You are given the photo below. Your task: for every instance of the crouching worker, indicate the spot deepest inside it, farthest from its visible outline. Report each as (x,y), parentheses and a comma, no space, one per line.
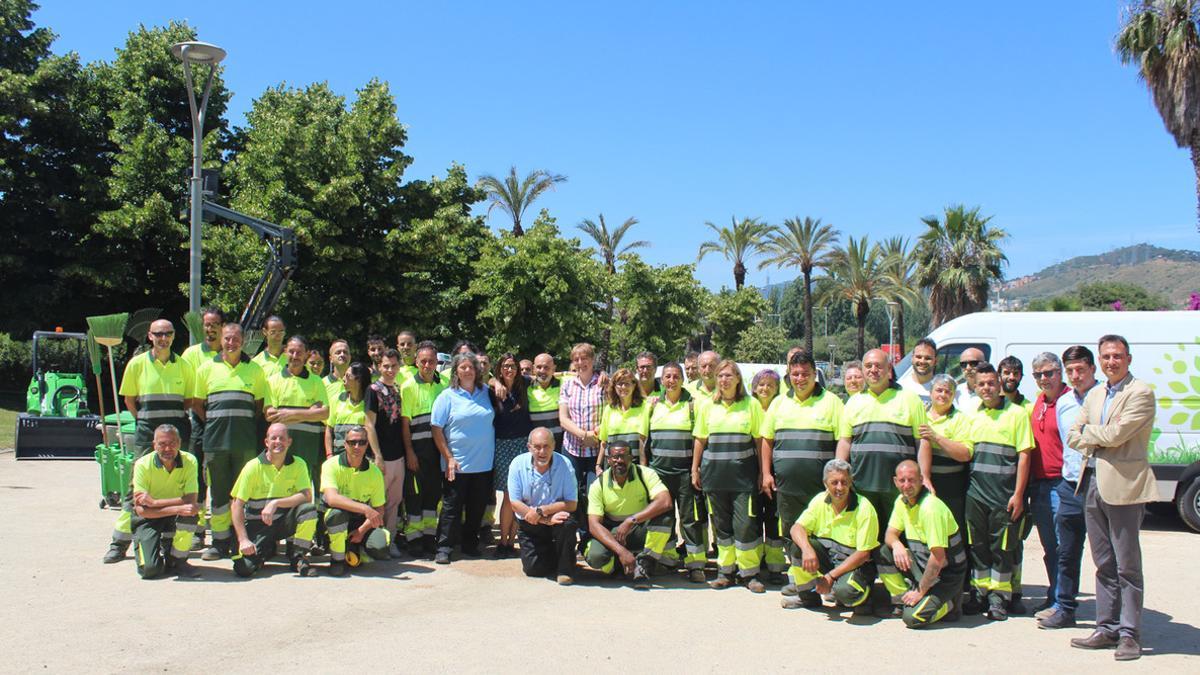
(165,484)
(272,500)
(836,535)
(925,577)
(353,495)
(629,518)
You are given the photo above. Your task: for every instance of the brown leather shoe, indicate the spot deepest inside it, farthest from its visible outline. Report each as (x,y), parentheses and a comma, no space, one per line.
(1097,640)
(1128,649)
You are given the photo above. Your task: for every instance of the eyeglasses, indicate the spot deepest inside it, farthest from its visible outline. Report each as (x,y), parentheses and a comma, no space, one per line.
(162,333)
(357,442)
(969,364)
(1039,374)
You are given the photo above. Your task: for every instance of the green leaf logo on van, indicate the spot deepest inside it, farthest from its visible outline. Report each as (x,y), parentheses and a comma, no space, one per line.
(1180,407)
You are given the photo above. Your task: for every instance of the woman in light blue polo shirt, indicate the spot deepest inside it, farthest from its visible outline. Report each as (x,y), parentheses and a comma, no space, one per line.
(462,431)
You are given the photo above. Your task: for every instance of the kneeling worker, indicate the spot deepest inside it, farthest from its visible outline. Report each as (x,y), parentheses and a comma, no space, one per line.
(165,519)
(272,500)
(629,509)
(542,489)
(925,577)
(836,535)
(353,493)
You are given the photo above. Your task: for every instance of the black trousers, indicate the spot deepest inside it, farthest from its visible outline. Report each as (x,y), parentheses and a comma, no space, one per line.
(547,549)
(468,493)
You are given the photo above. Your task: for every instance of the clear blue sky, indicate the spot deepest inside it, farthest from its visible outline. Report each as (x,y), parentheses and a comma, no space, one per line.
(867,115)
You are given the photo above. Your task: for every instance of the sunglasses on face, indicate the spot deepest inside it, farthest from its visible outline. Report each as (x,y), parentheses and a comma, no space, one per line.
(1039,374)
(162,333)
(356,442)
(969,364)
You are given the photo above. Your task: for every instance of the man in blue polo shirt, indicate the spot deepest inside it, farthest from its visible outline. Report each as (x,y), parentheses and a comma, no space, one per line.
(543,493)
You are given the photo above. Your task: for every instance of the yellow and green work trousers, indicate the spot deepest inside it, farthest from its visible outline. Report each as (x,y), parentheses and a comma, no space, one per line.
(994,549)
(788,507)
(223,468)
(773,548)
(940,599)
(422,494)
(339,524)
(298,525)
(123,530)
(735,522)
(692,515)
(159,543)
(849,590)
(647,541)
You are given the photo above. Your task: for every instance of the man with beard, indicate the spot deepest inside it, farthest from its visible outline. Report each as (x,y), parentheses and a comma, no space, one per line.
(629,517)
(543,494)
(543,393)
(647,365)
(919,378)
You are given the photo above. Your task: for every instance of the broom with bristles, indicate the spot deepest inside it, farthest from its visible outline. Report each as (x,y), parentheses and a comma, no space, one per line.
(109,330)
(195,327)
(97,361)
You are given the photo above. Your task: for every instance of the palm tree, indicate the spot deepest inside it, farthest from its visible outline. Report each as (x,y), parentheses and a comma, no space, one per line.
(958,258)
(744,239)
(1161,38)
(855,277)
(610,248)
(807,244)
(514,196)
(899,266)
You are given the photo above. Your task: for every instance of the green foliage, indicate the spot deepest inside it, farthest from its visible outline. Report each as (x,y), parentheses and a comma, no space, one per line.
(1058,303)
(806,245)
(514,195)
(736,243)
(958,257)
(658,308)
(539,292)
(14,361)
(761,343)
(730,314)
(856,278)
(1101,296)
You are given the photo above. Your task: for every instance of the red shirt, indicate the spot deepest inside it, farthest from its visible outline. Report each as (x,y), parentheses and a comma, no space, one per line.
(1048,450)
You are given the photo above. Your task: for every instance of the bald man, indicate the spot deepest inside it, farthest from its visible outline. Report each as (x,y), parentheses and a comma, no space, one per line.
(965,398)
(705,386)
(543,492)
(544,397)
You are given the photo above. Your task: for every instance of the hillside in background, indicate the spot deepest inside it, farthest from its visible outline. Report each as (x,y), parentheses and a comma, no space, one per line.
(1172,273)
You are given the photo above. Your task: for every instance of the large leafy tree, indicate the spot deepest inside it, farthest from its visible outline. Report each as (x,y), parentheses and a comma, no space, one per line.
(761,343)
(958,257)
(659,308)
(539,292)
(513,195)
(805,244)
(730,314)
(855,277)
(737,243)
(142,238)
(610,246)
(899,267)
(53,162)
(1162,39)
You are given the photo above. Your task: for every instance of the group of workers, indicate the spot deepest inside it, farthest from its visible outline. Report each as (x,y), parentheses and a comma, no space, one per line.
(919,483)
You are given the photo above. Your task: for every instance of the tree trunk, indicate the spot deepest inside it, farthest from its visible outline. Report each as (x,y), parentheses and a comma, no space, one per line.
(518,231)
(739,276)
(608,333)
(860,314)
(1196,167)
(808,311)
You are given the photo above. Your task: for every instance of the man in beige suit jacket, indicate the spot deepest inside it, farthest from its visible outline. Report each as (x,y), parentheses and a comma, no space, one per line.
(1113,433)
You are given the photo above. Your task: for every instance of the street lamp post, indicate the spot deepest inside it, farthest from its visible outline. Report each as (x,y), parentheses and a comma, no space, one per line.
(892,305)
(196,53)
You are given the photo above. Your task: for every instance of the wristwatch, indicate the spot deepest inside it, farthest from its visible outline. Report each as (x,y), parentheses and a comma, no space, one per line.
(633,519)
(541,514)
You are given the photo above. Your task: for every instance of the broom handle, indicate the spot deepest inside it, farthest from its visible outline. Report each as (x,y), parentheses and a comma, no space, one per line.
(116,400)
(100,396)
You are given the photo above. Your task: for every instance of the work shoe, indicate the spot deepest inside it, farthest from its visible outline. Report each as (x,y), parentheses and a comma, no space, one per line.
(1046,604)
(1097,640)
(791,602)
(789,589)
(337,568)
(863,609)
(722,581)
(212,553)
(955,613)
(810,600)
(429,546)
(755,585)
(394,550)
(973,605)
(442,558)
(470,552)
(890,611)
(564,580)
(184,570)
(641,580)
(198,542)
(778,579)
(1058,619)
(1016,606)
(997,610)
(1045,612)
(302,567)
(697,576)
(115,554)
(1128,649)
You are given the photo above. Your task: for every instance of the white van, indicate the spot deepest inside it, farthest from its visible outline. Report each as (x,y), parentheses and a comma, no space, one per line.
(1166,354)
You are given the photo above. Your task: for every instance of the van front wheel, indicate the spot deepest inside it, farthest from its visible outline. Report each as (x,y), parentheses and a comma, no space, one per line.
(1187,502)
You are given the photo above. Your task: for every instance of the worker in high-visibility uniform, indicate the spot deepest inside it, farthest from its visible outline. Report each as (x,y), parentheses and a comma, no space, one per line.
(352,495)
(647,367)
(229,395)
(543,392)
(1011,371)
(670,445)
(880,428)
(272,358)
(799,435)
(950,433)
(423,483)
(764,386)
(157,388)
(835,535)
(629,517)
(339,362)
(406,344)
(996,495)
(196,356)
(164,502)
(297,398)
(272,500)
(725,466)
(623,419)
(923,561)
(349,410)
(704,386)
